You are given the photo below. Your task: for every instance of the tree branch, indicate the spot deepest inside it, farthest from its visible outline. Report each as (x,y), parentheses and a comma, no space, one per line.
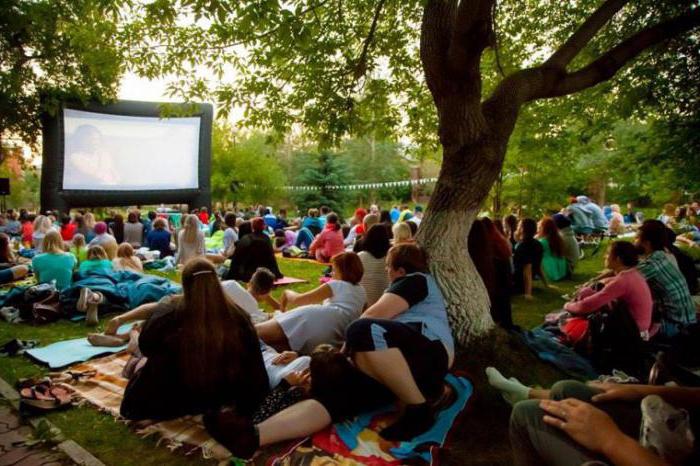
(471,35)
(361,67)
(612,61)
(583,35)
(436,30)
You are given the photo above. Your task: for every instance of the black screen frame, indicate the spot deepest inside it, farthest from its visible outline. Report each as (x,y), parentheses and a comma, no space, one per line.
(54,197)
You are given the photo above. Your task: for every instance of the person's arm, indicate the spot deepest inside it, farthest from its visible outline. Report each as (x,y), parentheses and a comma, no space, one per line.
(316,243)
(351,236)
(613,290)
(293,299)
(594,430)
(388,306)
(680,397)
(143,312)
(270,301)
(201,248)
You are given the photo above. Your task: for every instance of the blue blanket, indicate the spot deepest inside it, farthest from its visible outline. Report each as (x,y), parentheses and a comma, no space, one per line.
(548,349)
(349,431)
(122,289)
(66,353)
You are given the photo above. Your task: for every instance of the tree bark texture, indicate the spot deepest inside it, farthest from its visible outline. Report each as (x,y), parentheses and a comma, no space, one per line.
(474,134)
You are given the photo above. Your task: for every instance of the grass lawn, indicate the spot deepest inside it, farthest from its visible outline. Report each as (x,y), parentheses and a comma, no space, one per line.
(480,439)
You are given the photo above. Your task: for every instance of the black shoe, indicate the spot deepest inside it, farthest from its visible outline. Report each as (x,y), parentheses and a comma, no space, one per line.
(415,420)
(237,433)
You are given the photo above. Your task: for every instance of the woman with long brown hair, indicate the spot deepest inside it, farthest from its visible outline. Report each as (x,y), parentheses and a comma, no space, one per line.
(202,353)
(554,263)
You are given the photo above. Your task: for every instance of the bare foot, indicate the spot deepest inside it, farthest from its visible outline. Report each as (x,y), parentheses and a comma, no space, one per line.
(99,339)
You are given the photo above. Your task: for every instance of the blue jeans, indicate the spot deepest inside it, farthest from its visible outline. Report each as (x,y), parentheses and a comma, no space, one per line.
(304,238)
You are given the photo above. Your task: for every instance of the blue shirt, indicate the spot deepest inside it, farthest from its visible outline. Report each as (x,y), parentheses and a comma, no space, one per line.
(159,240)
(59,267)
(394,214)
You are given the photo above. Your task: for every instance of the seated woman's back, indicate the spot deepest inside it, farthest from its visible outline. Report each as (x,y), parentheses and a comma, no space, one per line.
(159,237)
(202,353)
(374,280)
(252,251)
(97,261)
(54,263)
(133,230)
(190,240)
(554,264)
(126,260)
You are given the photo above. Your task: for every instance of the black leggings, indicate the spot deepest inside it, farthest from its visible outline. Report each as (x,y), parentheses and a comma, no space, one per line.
(427,359)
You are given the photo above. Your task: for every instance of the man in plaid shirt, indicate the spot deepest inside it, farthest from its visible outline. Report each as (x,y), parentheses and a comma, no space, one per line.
(672,301)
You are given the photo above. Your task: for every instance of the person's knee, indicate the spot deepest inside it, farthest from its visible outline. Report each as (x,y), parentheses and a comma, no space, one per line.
(571,389)
(525,414)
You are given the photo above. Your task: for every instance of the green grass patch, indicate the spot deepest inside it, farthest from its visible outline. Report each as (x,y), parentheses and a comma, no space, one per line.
(481,439)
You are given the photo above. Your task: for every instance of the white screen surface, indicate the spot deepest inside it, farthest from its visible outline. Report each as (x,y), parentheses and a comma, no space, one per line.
(117,152)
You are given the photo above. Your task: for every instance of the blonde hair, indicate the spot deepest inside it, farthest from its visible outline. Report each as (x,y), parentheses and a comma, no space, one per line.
(89,220)
(670,210)
(402,232)
(42,224)
(190,228)
(78,241)
(96,252)
(53,243)
(615,208)
(125,253)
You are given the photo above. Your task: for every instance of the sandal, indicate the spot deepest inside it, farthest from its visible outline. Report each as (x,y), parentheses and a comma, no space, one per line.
(45,397)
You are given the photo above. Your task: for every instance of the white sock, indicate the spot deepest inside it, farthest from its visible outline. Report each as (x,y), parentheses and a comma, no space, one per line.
(511,389)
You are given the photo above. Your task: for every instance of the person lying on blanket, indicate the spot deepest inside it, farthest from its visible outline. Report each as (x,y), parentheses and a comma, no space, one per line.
(403,348)
(258,291)
(577,423)
(201,353)
(323,314)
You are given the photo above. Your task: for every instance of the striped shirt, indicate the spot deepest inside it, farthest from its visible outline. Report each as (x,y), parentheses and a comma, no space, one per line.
(668,287)
(374,279)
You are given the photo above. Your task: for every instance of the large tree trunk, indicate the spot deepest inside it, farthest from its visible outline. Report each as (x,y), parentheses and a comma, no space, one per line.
(465,180)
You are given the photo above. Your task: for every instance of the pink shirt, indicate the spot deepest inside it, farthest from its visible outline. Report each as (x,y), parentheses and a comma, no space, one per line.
(328,243)
(628,286)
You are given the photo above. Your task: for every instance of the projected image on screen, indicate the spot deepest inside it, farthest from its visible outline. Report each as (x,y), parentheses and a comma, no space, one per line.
(117,152)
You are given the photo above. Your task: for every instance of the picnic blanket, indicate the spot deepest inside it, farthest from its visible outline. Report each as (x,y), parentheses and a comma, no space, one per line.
(288,281)
(550,350)
(64,353)
(353,442)
(215,242)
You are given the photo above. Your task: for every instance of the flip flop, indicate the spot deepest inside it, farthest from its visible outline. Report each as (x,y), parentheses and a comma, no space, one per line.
(45,397)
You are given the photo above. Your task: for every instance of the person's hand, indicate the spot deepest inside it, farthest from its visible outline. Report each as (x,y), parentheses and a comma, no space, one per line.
(298,378)
(285,358)
(619,392)
(112,326)
(587,425)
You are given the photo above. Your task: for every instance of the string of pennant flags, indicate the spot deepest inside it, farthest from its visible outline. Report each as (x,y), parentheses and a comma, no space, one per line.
(359,186)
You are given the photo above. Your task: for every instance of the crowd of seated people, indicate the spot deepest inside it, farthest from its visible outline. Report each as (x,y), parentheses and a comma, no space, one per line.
(376,332)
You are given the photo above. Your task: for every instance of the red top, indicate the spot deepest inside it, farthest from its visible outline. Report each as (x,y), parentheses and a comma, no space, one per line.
(329,242)
(27,232)
(204,217)
(628,286)
(68,231)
